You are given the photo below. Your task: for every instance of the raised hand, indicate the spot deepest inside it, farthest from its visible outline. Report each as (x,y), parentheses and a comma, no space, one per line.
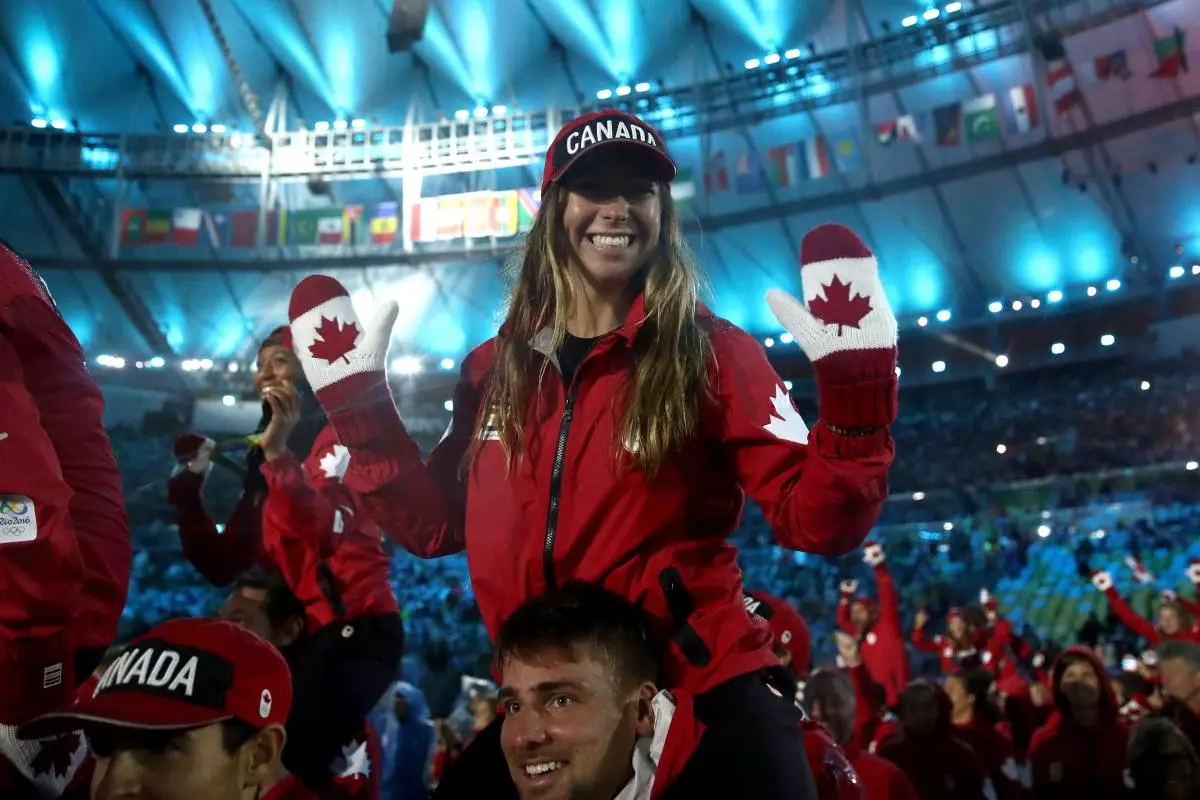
(847,329)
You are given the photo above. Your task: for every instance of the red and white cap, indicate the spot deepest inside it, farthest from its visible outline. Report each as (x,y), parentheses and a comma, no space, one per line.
(184,673)
(608,128)
(789,628)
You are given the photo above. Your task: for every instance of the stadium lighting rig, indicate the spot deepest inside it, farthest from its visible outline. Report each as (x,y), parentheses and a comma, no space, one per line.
(771,59)
(481,112)
(930,14)
(624,90)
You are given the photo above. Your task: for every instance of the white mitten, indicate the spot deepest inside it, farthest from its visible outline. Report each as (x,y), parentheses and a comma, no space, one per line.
(849,587)
(847,329)
(873,554)
(1102,580)
(341,360)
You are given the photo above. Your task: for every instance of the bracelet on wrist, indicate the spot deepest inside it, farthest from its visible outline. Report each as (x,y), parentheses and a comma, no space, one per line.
(855,432)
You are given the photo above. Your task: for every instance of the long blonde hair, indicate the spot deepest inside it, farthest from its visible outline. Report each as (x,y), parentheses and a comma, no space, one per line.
(671,351)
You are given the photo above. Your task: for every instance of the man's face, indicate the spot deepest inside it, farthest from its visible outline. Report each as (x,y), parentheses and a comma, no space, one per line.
(957,691)
(860,615)
(247,607)
(919,711)
(191,765)
(1080,684)
(1169,621)
(569,730)
(1180,682)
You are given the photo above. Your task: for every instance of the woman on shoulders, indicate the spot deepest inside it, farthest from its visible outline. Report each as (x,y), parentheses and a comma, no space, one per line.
(611,430)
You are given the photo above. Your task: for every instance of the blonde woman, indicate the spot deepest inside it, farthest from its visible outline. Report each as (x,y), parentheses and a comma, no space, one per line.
(611,429)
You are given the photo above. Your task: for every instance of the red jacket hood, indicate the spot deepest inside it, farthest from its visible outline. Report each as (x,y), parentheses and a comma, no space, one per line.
(1108,697)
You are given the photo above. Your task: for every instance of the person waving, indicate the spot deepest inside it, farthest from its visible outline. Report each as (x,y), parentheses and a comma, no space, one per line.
(610,431)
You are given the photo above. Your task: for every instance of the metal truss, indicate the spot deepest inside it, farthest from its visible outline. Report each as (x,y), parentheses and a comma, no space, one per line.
(310,259)
(520,138)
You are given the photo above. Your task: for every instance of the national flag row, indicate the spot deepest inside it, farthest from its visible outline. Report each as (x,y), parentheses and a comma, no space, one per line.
(974,121)
(489,214)
(469,215)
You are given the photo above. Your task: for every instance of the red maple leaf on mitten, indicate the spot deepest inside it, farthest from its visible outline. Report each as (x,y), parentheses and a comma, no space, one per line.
(847,329)
(344,360)
(838,308)
(334,340)
(1102,580)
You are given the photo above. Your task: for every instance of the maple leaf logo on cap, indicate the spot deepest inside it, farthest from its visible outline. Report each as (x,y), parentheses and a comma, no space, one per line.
(837,307)
(334,340)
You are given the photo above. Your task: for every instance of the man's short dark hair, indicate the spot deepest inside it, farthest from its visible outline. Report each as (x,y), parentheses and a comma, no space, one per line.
(833,690)
(582,615)
(1188,652)
(235,733)
(281,604)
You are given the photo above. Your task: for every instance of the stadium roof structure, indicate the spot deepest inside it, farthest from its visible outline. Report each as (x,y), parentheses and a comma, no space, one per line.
(173,167)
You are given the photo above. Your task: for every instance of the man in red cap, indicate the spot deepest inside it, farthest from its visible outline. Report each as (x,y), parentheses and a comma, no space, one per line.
(193,709)
(793,643)
(834,776)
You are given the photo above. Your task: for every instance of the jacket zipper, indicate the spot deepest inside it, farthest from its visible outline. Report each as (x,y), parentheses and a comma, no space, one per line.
(560,457)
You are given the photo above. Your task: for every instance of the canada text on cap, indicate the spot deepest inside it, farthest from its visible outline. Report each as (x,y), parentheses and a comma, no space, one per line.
(184,673)
(606,128)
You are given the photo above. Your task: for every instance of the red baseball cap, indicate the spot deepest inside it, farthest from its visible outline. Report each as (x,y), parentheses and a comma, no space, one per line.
(184,673)
(608,128)
(789,628)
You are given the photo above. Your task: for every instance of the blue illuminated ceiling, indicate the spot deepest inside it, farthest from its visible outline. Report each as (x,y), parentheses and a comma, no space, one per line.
(146,65)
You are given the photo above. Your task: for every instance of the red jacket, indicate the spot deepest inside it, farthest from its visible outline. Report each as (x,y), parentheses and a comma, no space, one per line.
(995,750)
(1069,760)
(1144,627)
(567,512)
(65,554)
(883,779)
(882,643)
(941,766)
(307,518)
(951,654)
(834,776)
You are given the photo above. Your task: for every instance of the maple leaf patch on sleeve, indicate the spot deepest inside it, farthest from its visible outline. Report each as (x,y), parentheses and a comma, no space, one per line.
(334,340)
(837,307)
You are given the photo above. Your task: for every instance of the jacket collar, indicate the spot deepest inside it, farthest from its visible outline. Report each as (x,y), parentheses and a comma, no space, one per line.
(648,750)
(543,340)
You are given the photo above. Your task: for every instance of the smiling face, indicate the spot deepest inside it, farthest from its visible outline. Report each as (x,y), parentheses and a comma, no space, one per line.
(276,365)
(612,215)
(569,729)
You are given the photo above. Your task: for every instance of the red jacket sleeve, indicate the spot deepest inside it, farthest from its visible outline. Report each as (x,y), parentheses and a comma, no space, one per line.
(821,491)
(71,410)
(1190,606)
(889,604)
(219,557)
(924,643)
(41,569)
(420,505)
(1132,620)
(296,509)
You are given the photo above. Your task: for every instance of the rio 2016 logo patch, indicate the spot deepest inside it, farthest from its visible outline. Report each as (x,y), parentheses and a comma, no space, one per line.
(18,522)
